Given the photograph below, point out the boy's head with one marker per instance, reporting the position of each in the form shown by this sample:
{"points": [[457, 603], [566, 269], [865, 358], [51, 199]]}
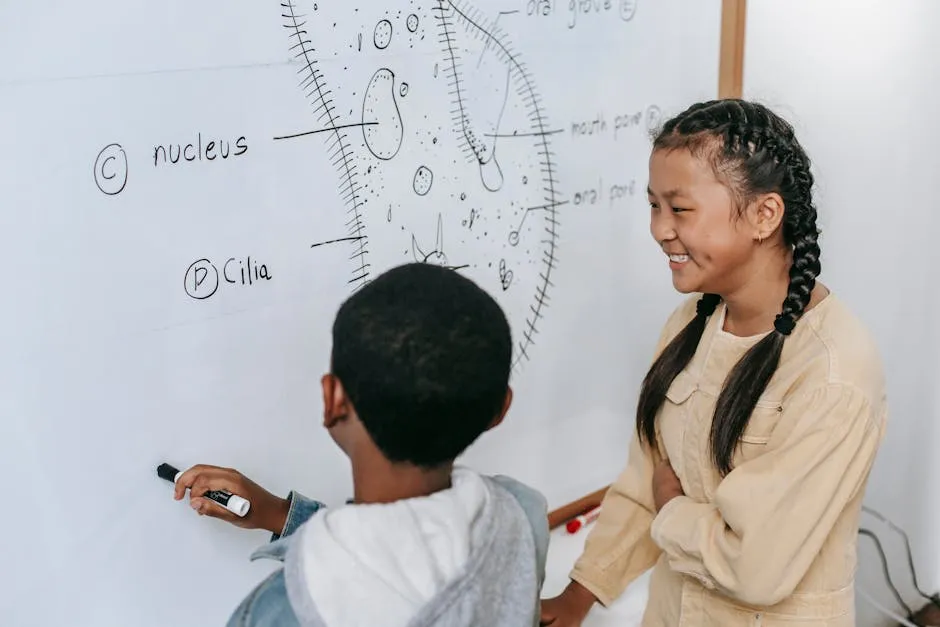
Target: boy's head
{"points": [[420, 363]]}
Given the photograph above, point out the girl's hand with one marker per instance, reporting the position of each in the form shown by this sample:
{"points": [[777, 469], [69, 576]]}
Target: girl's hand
{"points": [[267, 510], [666, 485], [568, 609]]}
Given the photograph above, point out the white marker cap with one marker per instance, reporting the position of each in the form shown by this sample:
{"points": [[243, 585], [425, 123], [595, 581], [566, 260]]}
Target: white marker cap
{"points": [[237, 505]]}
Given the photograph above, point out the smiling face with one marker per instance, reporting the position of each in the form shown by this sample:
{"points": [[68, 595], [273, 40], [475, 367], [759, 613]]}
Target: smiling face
{"points": [[709, 243]]}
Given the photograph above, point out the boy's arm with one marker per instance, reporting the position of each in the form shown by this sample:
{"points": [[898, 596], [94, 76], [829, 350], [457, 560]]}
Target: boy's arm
{"points": [[299, 510], [266, 606], [536, 509], [278, 515]]}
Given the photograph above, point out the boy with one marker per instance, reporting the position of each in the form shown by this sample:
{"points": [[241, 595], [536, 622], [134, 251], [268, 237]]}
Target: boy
{"points": [[419, 370]]}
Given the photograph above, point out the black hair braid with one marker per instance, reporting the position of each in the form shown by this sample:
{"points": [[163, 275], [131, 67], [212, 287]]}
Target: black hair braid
{"points": [[674, 357], [800, 228], [758, 154], [773, 161]]}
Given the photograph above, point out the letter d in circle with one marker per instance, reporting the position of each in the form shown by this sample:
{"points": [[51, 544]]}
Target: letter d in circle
{"points": [[201, 280]]}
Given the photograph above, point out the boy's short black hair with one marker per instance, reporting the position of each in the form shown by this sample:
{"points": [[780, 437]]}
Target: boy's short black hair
{"points": [[424, 355]]}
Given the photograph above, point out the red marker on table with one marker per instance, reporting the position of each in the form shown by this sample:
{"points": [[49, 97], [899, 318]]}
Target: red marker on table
{"points": [[574, 525]]}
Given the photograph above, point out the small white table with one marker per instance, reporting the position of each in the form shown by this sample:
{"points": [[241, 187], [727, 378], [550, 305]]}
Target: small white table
{"points": [[564, 549]]}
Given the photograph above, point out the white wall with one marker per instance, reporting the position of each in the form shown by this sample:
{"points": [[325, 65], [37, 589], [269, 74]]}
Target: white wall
{"points": [[861, 82]]}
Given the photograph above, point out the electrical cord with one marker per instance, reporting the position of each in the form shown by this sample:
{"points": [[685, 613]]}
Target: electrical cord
{"points": [[907, 547], [878, 606], [887, 572]]}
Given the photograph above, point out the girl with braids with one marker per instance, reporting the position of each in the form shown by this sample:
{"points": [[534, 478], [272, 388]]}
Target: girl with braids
{"points": [[759, 420]]}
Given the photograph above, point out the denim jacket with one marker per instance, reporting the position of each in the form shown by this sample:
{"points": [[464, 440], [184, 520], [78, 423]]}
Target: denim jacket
{"points": [[268, 604]]}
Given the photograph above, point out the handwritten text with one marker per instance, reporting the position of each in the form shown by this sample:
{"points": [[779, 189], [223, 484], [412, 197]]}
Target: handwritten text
{"points": [[596, 194], [201, 149], [575, 10], [203, 277], [615, 125]]}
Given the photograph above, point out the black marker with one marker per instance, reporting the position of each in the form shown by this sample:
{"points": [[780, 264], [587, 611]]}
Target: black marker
{"points": [[235, 504]]}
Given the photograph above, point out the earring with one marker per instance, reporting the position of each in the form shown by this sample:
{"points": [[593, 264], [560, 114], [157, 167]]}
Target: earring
{"points": [[760, 239]]}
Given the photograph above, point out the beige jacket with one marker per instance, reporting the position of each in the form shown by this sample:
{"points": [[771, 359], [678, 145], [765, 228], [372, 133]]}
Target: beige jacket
{"points": [[774, 542]]}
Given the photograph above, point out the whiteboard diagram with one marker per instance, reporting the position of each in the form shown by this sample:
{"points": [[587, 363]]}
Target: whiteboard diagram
{"points": [[448, 161], [190, 194]]}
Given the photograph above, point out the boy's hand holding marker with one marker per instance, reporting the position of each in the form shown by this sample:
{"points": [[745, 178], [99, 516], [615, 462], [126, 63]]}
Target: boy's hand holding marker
{"points": [[267, 511]]}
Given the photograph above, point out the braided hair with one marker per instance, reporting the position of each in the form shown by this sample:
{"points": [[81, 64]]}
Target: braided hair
{"points": [[754, 152]]}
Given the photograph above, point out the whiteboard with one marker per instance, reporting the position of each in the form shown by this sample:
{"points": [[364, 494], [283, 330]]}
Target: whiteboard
{"points": [[189, 190]]}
